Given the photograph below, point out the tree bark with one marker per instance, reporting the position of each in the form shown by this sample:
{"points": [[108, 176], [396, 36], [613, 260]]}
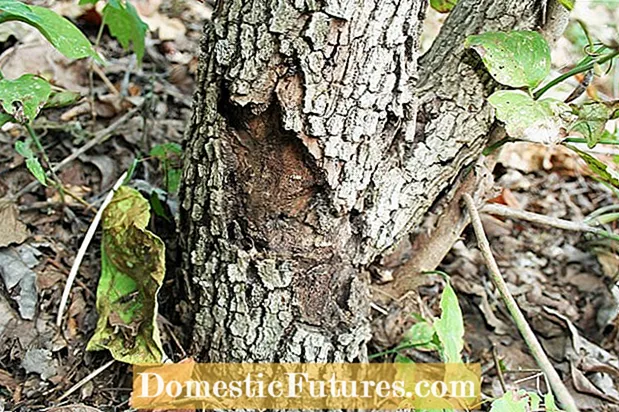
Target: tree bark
{"points": [[307, 157]]}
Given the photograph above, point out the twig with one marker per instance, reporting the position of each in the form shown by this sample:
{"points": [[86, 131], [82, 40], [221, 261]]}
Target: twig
{"points": [[504, 211], [560, 390], [82, 252], [98, 138], [499, 371], [84, 381]]}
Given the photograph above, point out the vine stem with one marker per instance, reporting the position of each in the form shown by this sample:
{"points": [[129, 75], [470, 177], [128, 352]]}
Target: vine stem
{"points": [[55, 178], [557, 385], [576, 70], [581, 140]]}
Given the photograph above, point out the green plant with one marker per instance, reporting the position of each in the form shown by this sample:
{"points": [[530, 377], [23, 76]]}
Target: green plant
{"points": [[22, 99], [521, 61], [124, 24]]}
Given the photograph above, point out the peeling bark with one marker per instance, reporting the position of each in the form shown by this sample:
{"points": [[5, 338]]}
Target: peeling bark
{"points": [[307, 158]]}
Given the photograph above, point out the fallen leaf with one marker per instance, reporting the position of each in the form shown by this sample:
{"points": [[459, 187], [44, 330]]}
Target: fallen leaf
{"points": [[16, 272], [40, 361], [132, 270], [12, 231], [7, 381]]}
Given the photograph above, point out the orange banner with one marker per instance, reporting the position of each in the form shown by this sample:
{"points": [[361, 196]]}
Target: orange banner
{"points": [[386, 386]]}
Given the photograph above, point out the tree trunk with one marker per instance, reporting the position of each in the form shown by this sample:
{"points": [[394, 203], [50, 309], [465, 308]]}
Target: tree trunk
{"points": [[313, 149]]}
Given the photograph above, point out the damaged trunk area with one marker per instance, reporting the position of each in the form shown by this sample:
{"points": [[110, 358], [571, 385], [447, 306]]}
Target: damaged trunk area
{"points": [[305, 161]]}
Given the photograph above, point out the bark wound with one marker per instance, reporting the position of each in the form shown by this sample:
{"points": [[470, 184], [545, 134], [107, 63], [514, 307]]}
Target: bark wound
{"points": [[303, 163]]}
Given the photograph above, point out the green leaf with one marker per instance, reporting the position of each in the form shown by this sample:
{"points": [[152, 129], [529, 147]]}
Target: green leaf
{"points": [[450, 326], [165, 150], [591, 122], [535, 400], [23, 98], [419, 334], [32, 162], [60, 32], [23, 148], [541, 121], [62, 99], [549, 403], [157, 206], [511, 401], [403, 359], [5, 118], [126, 25], [604, 172], [132, 270], [568, 4], [516, 59], [36, 169], [443, 6], [85, 2], [169, 155]]}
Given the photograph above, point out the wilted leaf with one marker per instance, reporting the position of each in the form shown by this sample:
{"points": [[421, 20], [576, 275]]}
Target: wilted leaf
{"points": [[450, 326], [60, 32], [591, 123], [539, 121], [23, 98], [516, 58], [132, 269], [511, 402], [604, 172], [126, 25], [443, 6]]}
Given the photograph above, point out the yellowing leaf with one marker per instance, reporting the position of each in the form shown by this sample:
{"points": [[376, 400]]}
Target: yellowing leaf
{"points": [[132, 270], [443, 6], [516, 58], [591, 123], [540, 121], [450, 326], [511, 402]]}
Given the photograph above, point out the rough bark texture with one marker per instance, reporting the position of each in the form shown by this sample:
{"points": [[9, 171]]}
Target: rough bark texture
{"points": [[307, 158]]}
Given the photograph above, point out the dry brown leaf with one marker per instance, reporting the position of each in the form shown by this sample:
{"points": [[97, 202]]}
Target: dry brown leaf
{"points": [[11, 229], [7, 381]]}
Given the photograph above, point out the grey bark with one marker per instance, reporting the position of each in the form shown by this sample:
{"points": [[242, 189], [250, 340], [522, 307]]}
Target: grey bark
{"points": [[316, 144]]}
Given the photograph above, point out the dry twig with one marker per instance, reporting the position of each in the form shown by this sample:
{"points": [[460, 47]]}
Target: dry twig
{"points": [[557, 385], [504, 211], [82, 252]]}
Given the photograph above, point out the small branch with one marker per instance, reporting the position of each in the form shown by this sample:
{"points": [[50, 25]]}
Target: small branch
{"points": [[82, 252], [504, 211], [557, 385], [84, 381]]}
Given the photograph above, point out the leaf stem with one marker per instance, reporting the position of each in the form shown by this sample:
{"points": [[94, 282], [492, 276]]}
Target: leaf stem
{"points": [[590, 64], [581, 140], [41, 149]]}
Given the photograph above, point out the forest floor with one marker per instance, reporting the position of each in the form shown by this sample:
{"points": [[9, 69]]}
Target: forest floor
{"points": [[563, 281]]}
